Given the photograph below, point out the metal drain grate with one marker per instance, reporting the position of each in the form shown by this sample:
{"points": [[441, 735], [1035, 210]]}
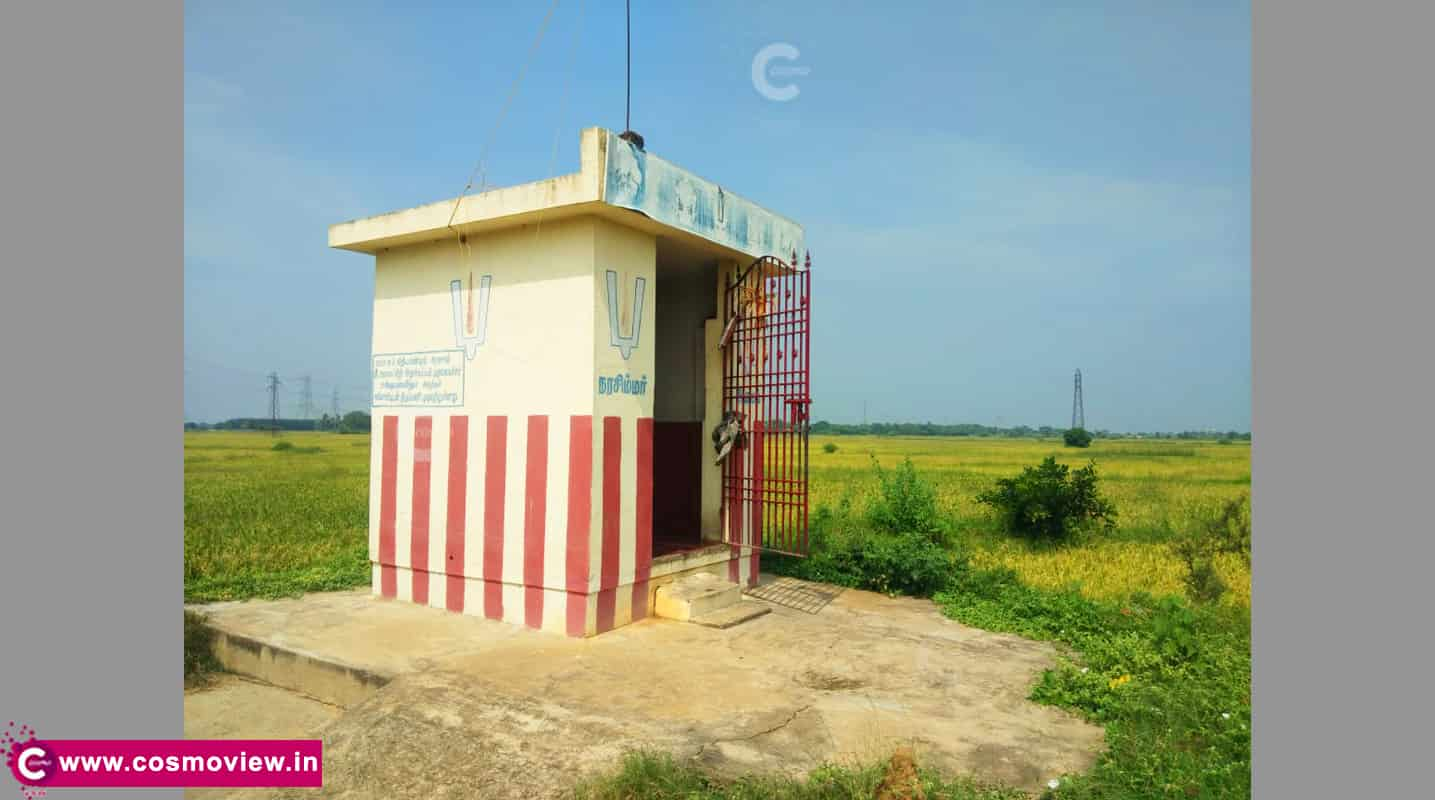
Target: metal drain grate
{"points": [[793, 593]]}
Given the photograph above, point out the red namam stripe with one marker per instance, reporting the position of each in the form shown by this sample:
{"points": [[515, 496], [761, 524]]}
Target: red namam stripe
{"points": [[469, 323], [457, 507], [612, 497], [388, 502], [535, 519], [580, 510], [643, 560], [495, 467], [419, 532]]}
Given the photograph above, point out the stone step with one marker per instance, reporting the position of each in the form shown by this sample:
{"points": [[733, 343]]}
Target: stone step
{"points": [[735, 614], [695, 595]]}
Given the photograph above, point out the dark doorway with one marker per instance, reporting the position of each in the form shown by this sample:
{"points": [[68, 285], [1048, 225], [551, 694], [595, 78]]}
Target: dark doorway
{"points": [[686, 296]]}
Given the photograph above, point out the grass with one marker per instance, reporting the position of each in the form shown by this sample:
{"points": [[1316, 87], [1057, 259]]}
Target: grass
{"points": [[1171, 684], [200, 662], [267, 522], [658, 776]]}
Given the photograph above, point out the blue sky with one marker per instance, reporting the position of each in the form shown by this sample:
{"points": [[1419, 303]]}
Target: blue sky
{"points": [[994, 194]]}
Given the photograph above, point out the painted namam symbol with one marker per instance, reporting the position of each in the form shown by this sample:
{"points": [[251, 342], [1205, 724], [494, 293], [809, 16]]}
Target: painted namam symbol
{"points": [[625, 344], [468, 331]]}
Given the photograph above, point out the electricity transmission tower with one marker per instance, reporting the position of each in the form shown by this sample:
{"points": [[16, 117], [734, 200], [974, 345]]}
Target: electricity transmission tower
{"points": [[336, 404], [1078, 413], [274, 403], [308, 398]]}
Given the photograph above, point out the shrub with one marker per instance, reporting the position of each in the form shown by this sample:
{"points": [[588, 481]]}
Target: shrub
{"points": [[1225, 528], [847, 552], [1173, 628], [829, 448], [1077, 437], [283, 445], [1198, 559], [899, 544], [1229, 525], [1050, 501], [905, 502]]}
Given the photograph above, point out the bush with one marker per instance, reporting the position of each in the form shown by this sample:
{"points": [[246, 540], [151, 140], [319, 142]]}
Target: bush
{"points": [[1203, 583], [283, 445], [847, 552], [829, 448], [1173, 629], [899, 544], [1077, 437], [1225, 528], [1050, 501], [1229, 525], [905, 502]]}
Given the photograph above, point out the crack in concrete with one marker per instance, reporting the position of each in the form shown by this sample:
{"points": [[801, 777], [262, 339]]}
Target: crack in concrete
{"points": [[774, 729]]}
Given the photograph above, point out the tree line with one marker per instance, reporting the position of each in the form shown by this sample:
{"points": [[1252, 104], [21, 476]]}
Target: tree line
{"points": [[352, 422], [824, 427]]}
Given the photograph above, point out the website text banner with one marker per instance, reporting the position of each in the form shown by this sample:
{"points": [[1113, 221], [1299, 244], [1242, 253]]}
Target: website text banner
{"points": [[162, 763]]}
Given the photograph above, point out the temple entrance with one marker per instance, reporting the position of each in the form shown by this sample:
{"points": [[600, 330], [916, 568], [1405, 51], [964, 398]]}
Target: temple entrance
{"points": [[686, 301]]}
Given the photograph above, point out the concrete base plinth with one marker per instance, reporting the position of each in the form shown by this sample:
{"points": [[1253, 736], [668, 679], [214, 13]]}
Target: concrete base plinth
{"points": [[474, 706]]}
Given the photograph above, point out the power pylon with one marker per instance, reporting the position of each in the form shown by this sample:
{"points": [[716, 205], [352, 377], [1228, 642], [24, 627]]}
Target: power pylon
{"points": [[1078, 413], [308, 397], [274, 403]]}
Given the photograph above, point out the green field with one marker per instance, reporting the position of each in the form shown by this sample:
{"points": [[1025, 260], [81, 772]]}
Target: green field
{"points": [[1169, 680], [1148, 480], [264, 523], [261, 522]]}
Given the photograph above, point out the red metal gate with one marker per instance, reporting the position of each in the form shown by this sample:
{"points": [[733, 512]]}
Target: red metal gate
{"points": [[766, 382]]}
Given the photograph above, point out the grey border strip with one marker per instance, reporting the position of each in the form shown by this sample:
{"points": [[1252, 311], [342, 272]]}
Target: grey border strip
{"points": [[91, 319]]}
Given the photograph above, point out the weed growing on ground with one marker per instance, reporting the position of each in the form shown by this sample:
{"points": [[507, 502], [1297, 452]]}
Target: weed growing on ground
{"points": [[658, 776], [199, 660], [1171, 683]]}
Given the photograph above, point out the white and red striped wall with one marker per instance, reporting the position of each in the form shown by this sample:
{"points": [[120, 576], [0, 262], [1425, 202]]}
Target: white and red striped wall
{"points": [[542, 521], [536, 520]]}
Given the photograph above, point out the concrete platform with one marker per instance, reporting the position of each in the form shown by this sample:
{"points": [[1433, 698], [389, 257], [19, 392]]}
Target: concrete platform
{"points": [[473, 708]]}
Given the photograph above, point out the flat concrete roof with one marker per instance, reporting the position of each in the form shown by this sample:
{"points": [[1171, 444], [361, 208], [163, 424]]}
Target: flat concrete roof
{"points": [[617, 181]]}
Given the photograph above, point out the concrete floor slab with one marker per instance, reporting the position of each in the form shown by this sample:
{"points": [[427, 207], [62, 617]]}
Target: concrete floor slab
{"points": [[477, 708], [232, 707]]}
